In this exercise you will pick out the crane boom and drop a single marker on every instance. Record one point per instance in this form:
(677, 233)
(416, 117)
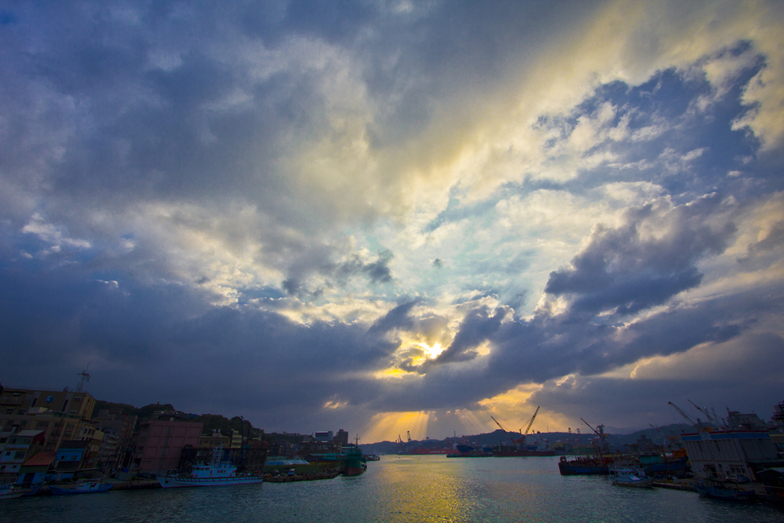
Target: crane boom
(496, 422)
(673, 405)
(704, 411)
(530, 423)
(593, 429)
(685, 416)
(663, 434)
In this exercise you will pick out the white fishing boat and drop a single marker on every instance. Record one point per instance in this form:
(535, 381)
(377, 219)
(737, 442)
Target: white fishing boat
(9, 492)
(213, 474)
(629, 476)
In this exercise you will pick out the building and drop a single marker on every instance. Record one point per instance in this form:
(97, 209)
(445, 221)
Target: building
(117, 447)
(324, 436)
(214, 440)
(729, 454)
(341, 437)
(18, 448)
(59, 414)
(35, 469)
(71, 458)
(160, 442)
(236, 439)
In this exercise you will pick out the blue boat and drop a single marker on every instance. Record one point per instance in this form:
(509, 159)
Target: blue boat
(724, 489)
(83, 487)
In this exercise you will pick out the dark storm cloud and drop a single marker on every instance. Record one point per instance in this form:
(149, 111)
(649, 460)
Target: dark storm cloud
(397, 318)
(623, 270)
(167, 342)
(476, 327)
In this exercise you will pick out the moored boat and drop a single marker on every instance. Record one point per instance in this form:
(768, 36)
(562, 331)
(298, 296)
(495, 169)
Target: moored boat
(724, 489)
(213, 474)
(354, 462)
(583, 466)
(629, 476)
(83, 487)
(11, 492)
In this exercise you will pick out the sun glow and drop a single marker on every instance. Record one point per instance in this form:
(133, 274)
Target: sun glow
(432, 352)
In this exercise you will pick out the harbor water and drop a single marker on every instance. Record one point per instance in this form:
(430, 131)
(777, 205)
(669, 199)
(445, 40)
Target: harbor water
(401, 489)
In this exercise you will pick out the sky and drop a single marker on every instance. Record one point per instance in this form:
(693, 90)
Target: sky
(396, 217)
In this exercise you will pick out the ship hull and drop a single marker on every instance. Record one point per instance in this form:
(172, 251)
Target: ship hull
(583, 467)
(177, 482)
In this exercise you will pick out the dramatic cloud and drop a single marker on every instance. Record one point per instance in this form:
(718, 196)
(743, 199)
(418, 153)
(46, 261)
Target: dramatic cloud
(391, 216)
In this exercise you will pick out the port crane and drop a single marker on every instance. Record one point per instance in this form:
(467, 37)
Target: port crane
(704, 411)
(670, 439)
(496, 422)
(600, 433)
(686, 416)
(506, 432)
(530, 423)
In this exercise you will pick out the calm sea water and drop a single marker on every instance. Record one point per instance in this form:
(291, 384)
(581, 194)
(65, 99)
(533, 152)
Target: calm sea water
(397, 489)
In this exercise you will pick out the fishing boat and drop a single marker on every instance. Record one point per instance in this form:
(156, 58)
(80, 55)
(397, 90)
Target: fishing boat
(724, 489)
(213, 474)
(8, 491)
(629, 476)
(83, 487)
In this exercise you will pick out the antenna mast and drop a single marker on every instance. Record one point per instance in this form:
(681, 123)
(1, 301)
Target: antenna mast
(85, 379)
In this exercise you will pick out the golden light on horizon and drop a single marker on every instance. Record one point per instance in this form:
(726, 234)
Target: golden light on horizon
(389, 425)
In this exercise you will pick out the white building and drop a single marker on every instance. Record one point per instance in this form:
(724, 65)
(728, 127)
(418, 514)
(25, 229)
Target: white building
(729, 454)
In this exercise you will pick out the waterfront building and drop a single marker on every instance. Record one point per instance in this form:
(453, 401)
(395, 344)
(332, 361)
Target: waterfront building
(213, 440)
(324, 436)
(70, 458)
(236, 439)
(341, 437)
(160, 442)
(738, 421)
(109, 453)
(117, 446)
(35, 469)
(729, 454)
(18, 448)
(61, 415)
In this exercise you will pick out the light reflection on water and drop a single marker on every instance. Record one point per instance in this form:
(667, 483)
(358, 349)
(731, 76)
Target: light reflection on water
(400, 489)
